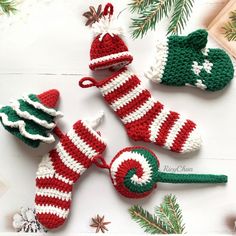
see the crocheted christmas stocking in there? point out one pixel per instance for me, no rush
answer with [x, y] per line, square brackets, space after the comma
[31, 118]
[144, 118]
[185, 60]
[61, 168]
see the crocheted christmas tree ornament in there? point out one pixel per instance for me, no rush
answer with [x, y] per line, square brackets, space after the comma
[134, 172]
[31, 118]
[108, 50]
[144, 118]
[185, 60]
[61, 168]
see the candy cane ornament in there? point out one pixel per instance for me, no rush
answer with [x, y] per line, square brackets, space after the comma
[134, 172]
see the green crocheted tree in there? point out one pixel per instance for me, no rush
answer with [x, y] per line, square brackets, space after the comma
[31, 118]
[185, 61]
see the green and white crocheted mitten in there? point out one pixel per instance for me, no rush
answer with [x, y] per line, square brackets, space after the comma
[185, 60]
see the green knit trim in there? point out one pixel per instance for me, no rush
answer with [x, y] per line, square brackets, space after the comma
[191, 178]
[141, 188]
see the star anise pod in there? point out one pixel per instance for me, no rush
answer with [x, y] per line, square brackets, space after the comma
[93, 15]
[99, 224]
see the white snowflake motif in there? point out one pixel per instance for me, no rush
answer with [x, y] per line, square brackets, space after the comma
[207, 65]
[25, 221]
[205, 51]
[196, 68]
[200, 84]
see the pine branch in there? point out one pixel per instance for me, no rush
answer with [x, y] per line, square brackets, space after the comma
[139, 5]
[147, 221]
[149, 17]
[180, 16]
[230, 27]
[170, 214]
[8, 6]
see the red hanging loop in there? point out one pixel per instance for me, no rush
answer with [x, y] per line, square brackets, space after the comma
[108, 10]
[57, 131]
[101, 163]
[87, 82]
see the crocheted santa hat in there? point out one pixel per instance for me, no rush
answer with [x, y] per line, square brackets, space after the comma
[31, 118]
[108, 50]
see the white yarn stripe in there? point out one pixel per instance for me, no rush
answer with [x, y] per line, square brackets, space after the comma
[89, 124]
[53, 193]
[124, 100]
[116, 82]
[49, 209]
[156, 71]
[40, 106]
[157, 123]
[174, 132]
[28, 116]
[63, 179]
[139, 112]
[45, 169]
[109, 57]
[84, 147]
[21, 126]
[68, 161]
[193, 142]
[126, 156]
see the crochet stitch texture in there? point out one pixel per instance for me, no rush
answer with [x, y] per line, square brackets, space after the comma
[144, 118]
[185, 60]
[61, 168]
[31, 118]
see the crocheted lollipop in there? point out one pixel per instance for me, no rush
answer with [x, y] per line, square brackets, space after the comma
[135, 172]
[185, 60]
[108, 50]
[62, 167]
[31, 118]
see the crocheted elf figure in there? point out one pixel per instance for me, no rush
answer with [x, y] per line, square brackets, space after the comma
[61, 168]
[31, 118]
[134, 172]
[108, 50]
[185, 60]
[144, 118]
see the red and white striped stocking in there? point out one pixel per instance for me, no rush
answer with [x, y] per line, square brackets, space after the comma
[61, 168]
[144, 118]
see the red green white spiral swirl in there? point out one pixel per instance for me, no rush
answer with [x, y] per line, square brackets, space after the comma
[134, 172]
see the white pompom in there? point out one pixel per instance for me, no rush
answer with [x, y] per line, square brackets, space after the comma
[105, 26]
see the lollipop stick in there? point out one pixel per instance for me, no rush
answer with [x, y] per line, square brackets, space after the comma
[191, 178]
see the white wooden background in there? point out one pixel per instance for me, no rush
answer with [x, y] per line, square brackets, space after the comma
[46, 45]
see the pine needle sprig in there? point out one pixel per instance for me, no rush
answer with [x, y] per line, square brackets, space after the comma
[180, 16]
[146, 220]
[170, 214]
[230, 27]
[166, 220]
[149, 17]
[8, 6]
[140, 5]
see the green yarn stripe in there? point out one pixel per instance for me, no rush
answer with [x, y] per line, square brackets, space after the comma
[191, 178]
[141, 188]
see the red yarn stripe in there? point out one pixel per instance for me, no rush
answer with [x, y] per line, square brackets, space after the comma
[125, 88]
[54, 184]
[165, 128]
[50, 221]
[42, 200]
[61, 168]
[139, 130]
[134, 104]
[74, 152]
[183, 135]
[82, 131]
